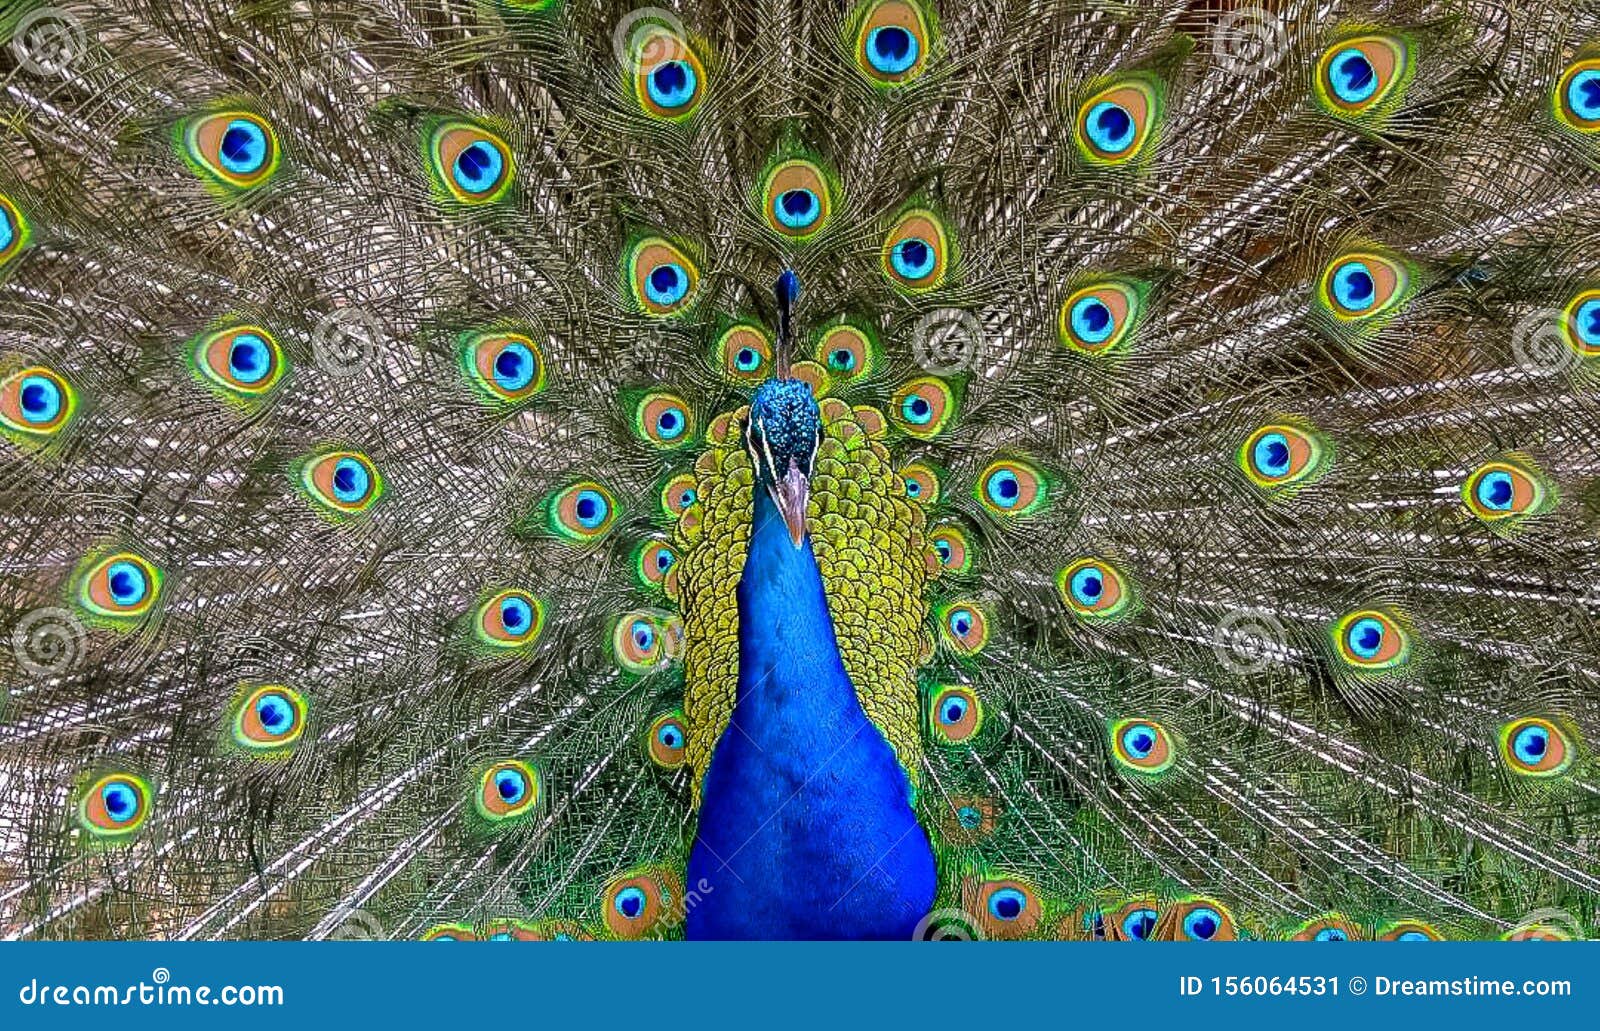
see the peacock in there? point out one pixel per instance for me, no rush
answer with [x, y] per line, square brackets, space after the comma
[824, 469]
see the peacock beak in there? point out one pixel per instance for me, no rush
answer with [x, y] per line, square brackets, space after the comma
[791, 494]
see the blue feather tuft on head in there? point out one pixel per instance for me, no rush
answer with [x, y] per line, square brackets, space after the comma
[790, 420]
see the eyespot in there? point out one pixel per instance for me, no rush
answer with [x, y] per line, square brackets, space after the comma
[667, 740]
[847, 352]
[554, 931]
[662, 277]
[656, 563]
[233, 148]
[1502, 490]
[1360, 285]
[1141, 745]
[669, 80]
[1005, 908]
[36, 402]
[269, 718]
[965, 626]
[114, 806]
[1201, 920]
[1357, 75]
[638, 904]
[1098, 318]
[1580, 324]
[640, 643]
[470, 165]
[1135, 921]
[922, 483]
[923, 407]
[1094, 589]
[1115, 124]
[343, 482]
[968, 820]
[507, 790]
[678, 495]
[245, 361]
[892, 44]
[14, 230]
[954, 714]
[120, 587]
[664, 420]
[1577, 95]
[951, 549]
[582, 512]
[1410, 931]
[1280, 456]
[1536, 747]
[1009, 487]
[1371, 639]
[509, 619]
[796, 199]
[916, 252]
[503, 366]
[744, 354]
[449, 933]
[1331, 928]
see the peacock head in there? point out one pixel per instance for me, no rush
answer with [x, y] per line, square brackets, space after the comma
[782, 434]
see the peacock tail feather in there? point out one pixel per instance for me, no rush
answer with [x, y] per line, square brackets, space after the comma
[1205, 498]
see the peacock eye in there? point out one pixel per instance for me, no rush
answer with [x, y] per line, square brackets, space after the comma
[269, 718]
[1094, 589]
[1577, 95]
[14, 231]
[664, 420]
[1141, 745]
[951, 547]
[1005, 908]
[1357, 75]
[1096, 319]
[343, 482]
[892, 44]
[582, 512]
[637, 904]
[1137, 923]
[847, 351]
[1279, 456]
[1535, 747]
[916, 251]
[922, 483]
[1115, 124]
[245, 361]
[1502, 490]
[504, 367]
[119, 587]
[36, 402]
[678, 495]
[797, 199]
[662, 277]
[667, 740]
[654, 563]
[1410, 931]
[743, 353]
[923, 407]
[670, 79]
[1202, 920]
[1009, 487]
[965, 626]
[639, 642]
[114, 806]
[1359, 285]
[233, 148]
[1330, 928]
[954, 714]
[1371, 639]
[507, 790]
[468, 164]
[509, 619]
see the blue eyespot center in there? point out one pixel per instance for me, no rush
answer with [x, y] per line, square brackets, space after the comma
[913, 488]
[1353, 287]
[1139, 925]
[1271, 455]
[8, 232]
[127, 583]
[1413, 936]
[797, 209]
[666, 284]
[249, 360]
[1365, 637]
[40, 398]
[351, 481]
[1003, 489]
[961, 623]
[970, 817]
[1583, 94]
[275, 713]
[1092, 321]
[917, 410]
[665, 560]
[644, 635]
[514, 367]
[690, 496]
[954, 710]
[631, 902]
[244, 147]
[1331, 934]
[842, 359]
[1530, 745]
[1088, 584]
[516, 615]
[479, 166]
[1352, 76]
[591, 508]
[913, 258]
[511, 786]
[121, 801]
[1202, 924]
[1139, 740]
[1496, 491]
[892, 49]
[670, 735]
[1007, 904]
[943, 548]
[670, 423]
[1111, 127]
[672, 84]
[747, 360]
[1588, 319]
